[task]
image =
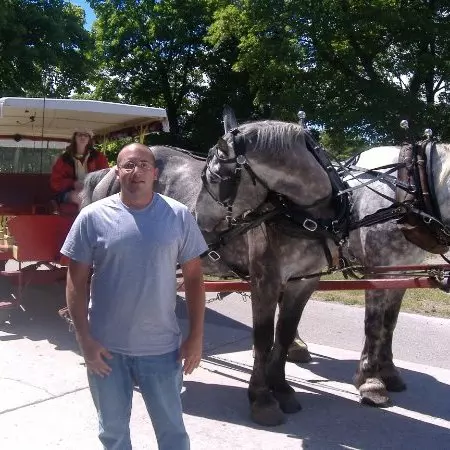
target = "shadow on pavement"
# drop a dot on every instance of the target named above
(326, 421)
(425, 394)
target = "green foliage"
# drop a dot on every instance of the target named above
(155, 53)
(356, 67)
(112, 148)
(44, 48)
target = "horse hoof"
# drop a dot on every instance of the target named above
(267, 415)
(394, 383)
(373, 393)
(298, 352)
(287, 401)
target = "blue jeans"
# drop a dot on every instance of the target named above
(160, 380)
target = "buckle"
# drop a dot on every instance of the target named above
(310, 225)
(213, 256)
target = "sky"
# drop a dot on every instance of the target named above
(90, 16)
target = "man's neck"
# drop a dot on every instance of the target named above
(136, 203)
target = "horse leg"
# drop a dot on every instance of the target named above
(381, 313)
(266, 287)
(265, 409)
(389, 373)
(293, 301)
(298, 351)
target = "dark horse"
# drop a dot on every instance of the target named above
(233, 193)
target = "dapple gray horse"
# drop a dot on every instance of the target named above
(274, 257)
(269, 256)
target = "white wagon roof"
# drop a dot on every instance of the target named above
(57, 119)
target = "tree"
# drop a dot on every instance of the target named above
(384, 60)
(155, 53)
(44, 48)
(152, 52)
(356, 67)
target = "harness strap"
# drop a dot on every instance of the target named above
(429, 147)
(380, 176)
(396, 211)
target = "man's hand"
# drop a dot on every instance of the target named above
(191, 353)
(94, 355)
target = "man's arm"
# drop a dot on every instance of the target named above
(191, 349)
(76, 296)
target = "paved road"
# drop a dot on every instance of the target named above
(45, 403)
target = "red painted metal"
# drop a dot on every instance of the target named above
(24, 193)
(38, 237)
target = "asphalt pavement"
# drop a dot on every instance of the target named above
(45, 402)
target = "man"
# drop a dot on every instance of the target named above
(132, 242)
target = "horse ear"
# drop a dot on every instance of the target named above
(229, 119)
(223, 146)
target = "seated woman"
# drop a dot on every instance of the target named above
(73, 165)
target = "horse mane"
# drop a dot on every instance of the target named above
(445, 170)
(192, 154)
(273, 137)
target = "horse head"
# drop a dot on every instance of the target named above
(228, 190)
(250, 161)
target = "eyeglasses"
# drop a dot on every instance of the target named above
(129, 166)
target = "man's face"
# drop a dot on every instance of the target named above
(136, 171)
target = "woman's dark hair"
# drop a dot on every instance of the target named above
(72, 147)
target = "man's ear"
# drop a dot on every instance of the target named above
(155, 174)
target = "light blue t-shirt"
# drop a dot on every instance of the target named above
(134, 254)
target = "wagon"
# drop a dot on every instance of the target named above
(33, 132)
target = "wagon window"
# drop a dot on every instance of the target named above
(29, 157)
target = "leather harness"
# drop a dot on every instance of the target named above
(422, 224)
(415, 207)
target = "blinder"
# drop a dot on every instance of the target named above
(228, 184)
(422, 224)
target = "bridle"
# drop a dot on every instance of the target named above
(276, 205)
(228, 185)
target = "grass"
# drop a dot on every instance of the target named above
(430, 302)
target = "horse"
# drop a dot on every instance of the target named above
(269, 256)
(231, 196)
(386, 243)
